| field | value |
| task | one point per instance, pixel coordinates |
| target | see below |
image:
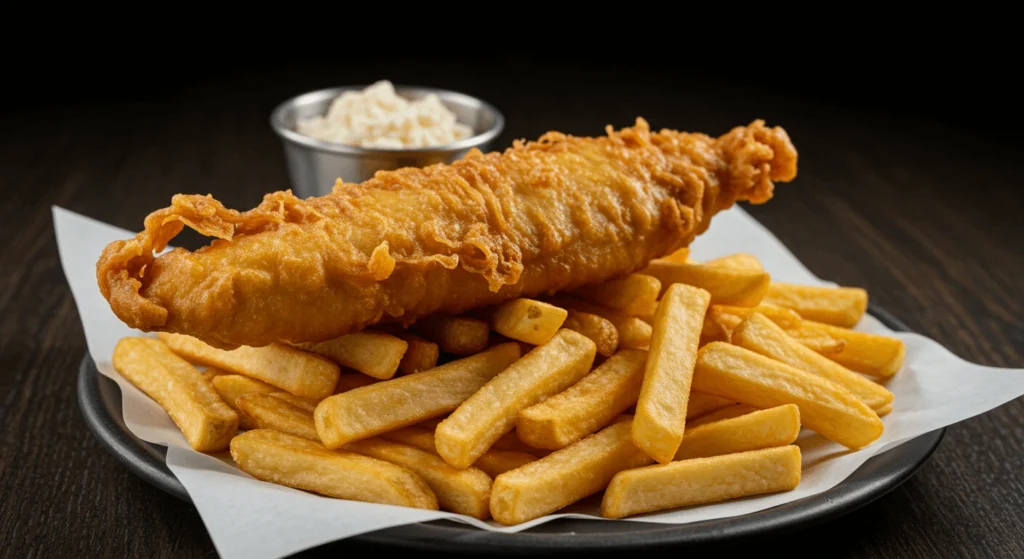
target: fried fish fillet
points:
(540, 217)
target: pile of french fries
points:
(682, 385)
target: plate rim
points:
(146, 460)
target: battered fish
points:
(541, 217)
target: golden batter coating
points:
(538, 218)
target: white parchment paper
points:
(253, 519)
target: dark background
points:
(910, 185)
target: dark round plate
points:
(100, 400)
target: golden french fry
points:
(778, 426)
(232, 387)
(490, 413)
(458, 335)
(682, 255)
(297, 401)
(376, 354)
(629, 295)
(785, 318)
(378, 408)
(565, 476)
(661, 408)
(493, 462)
(303, 464)
(738, 261)
(701, 404)
(207, 422)
(838, 306)
(882, 412)
(870, 354)
(728, 412)
(465, 491)
(633, 332)
(599, 329)
(760, 335)
(817, 341)
(267, 412)
(285, 367)
(701, 481)
(527, 320)
(420, 356)
(349, 381)
(727, 286)
(587, 406)
(749, 378)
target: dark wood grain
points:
(925, 217)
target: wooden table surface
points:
(923, 216)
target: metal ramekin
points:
(314, 165)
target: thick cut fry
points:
(727, 286)
(826, 407)
(378, 408)
(565, 476)
(465, 491)
(349, 381)
(760, 335)
(232, 387)
(458, 335)
(777, 426)
(493, 462)
(287, 368)
(738, 261)
(376, 354)
(297, 401)
(785, 318)
(633, 332)
(700, 404)
(206, 421)
(629, 295)
(599, 329)
(661, 409)
(871, 354)
(587, 406)
(267, 412)
(682, 255)
(817, 341)
(728, 412)
(303, 464)
(527, 320)
(420, 356)
(702, 481)
(839, 306)
(490, 413)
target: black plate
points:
(100, 400)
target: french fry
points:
(871, 354)
(491, 412)
(599, 329)
(718, 325)
(297, 401)
(817, 341)
(587, 406)
(267, 412)
(738, 261)
(882, 412)
(727, 286)
(633, 332)
(181, 390)
(458, 335)
(702, 481)
(728, 412)
(288, 368)
(629, 295)
(493, 462)
(465, 491)
(778, 426)
(526, 320)
(232, 387)
(376, 354)
(378, 408)
(303, 464)
(700, 404)
(349, 381)
(838, 306)
(785, 318)
(749, 378)
(760, 335)
(420, 356)
(661, 408)
(565, 476)
(646, 314)
(682, 255)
